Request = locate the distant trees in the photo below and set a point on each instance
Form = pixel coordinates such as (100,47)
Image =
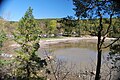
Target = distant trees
(52,26)
(48,27)
(68,24)
(115,32)
(76,27)
(27,61)
(92,9)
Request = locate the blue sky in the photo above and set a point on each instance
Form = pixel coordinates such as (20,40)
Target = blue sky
(13,10)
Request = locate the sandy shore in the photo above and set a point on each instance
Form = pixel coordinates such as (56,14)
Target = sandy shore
(66,39)
(70,39)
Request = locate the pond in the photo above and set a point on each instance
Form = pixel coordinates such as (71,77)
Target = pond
(81,52)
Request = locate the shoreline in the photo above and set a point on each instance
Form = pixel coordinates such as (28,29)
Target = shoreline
(71,39)
(65,39)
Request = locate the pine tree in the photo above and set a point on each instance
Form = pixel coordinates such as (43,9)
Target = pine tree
(28,62)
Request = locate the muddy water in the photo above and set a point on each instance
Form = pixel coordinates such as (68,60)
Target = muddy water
(82,52)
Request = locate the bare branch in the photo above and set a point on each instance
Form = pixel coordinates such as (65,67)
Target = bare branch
(51,66)
(65,75)
(112,42)
(102,41)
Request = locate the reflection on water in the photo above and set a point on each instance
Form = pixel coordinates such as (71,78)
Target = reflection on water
(77,44)
(81,52)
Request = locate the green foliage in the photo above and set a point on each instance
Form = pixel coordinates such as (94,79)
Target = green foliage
(93,10)
(27,36)
(2,37)
(52,26)
(69,24)
(90,8)
(115,29)
(84,27)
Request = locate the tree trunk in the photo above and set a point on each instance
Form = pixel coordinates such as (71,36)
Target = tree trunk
(100,28)
(78,26)
(97,76)
(99,45)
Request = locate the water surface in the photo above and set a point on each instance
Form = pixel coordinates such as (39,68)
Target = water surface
(82,52)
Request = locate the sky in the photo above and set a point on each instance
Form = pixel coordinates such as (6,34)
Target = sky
(13,10)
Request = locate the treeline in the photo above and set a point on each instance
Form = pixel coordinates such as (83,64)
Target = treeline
(71,27)
(68,26)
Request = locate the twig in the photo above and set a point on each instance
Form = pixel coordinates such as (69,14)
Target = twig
(107,30)
(112,43)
